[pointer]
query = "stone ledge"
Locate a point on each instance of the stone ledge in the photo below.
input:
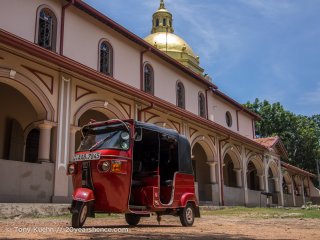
(18, 210)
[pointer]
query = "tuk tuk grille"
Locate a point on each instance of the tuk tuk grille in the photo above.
(86, 175)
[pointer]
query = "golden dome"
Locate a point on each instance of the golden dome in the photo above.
(169, 42)
(163, 37)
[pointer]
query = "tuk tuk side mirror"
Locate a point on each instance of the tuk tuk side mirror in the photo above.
(138, 135)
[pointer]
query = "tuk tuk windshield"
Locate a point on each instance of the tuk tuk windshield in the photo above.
(105, 137)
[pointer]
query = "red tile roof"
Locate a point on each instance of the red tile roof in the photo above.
(273, 142)
(296, 169)
(268, 142)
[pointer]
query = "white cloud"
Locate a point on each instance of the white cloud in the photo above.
(271, 8)
(312, 97)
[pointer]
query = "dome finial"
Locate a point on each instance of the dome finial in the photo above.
(162, 5)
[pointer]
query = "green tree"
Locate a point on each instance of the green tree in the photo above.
(300, 134)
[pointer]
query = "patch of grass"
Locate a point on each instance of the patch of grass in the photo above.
(264, 212)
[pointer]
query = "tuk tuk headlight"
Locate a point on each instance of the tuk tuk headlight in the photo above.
(105, 166)
(71, 169)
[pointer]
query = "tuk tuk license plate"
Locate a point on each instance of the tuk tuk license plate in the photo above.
(86, 156)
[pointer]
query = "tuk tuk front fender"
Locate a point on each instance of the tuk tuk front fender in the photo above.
(83, 195)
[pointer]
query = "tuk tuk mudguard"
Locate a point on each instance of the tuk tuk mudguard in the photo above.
(190, 197)
(83, 195)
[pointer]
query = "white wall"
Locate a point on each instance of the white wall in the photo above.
(81, 43)
(19, 17)
(29, 182)
(245, 125)
(166, 77)
(218, 108)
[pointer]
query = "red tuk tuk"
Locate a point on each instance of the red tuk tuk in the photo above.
(133, 168)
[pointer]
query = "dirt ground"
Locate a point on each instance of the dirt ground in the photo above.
(206, 227)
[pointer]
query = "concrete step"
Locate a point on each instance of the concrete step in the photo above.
(18, 210)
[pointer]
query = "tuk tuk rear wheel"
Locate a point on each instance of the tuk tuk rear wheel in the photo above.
(80, 214)
(132, 219)
(187, 215)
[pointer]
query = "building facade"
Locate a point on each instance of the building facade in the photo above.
(63, 63)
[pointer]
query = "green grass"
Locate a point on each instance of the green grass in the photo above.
(264, 212)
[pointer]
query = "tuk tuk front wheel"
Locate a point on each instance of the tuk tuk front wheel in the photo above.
(187, 215)
(132, 219)
(80, 214)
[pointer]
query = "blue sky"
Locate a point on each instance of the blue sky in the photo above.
(266, 49)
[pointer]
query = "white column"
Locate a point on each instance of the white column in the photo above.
(238, 175)
(218, 149)
(280, 183)
(265, 166)
(289, 188)
(73, 131)
(276, 184)
(212, 166)
(300, 190)
(244, 159)
(61, 186)
(303, 196)
(44, 141)
(261, 182)
(293, 194)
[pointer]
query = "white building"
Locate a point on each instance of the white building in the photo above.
(63, 63)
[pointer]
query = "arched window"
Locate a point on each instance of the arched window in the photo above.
(180, 95)
(148, 79)
(228, 119)
(164, 22)
(106, 58)
(47, 29)
(202, 105)
(157, 22)
(32, 146)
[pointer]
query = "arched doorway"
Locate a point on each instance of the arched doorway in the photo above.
(232, 170)
(32, 146)
(229, 173)
(14, 118)
(255, 173)
(202, 172)
(24, 110)
(232, 179)
(252, 177)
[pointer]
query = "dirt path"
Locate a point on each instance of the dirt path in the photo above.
(207, 227)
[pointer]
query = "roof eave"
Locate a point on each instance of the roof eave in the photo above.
(240, 106)
(296, 169)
